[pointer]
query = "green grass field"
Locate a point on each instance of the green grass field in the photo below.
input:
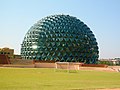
(48, 79)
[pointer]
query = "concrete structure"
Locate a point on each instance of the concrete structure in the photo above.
(7, 51)
(4, 59)
(61, 38)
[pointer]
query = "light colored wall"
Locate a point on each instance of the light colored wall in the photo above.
(45, 65)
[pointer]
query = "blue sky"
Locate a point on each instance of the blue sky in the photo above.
(102, 16)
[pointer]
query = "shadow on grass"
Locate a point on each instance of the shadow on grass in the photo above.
(66, 71)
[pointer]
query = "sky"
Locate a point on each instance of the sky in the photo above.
(101, 16)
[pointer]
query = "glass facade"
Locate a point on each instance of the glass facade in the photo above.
(60, 38)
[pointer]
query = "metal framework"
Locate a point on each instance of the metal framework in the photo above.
(60, 38)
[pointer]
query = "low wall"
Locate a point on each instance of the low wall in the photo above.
(19, 66)
(94, 65)
(29, 64)
(44, 65)
(72, 66)
(68, 65)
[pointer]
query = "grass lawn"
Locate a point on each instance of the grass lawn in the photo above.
(48, 79)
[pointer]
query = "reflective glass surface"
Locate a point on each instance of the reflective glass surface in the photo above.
(60, 38)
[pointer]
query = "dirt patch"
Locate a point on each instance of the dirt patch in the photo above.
(98, 69)
(110, 89)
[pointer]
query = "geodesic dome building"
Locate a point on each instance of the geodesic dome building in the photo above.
(60, 38)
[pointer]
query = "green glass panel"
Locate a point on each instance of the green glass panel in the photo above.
(60, 37)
